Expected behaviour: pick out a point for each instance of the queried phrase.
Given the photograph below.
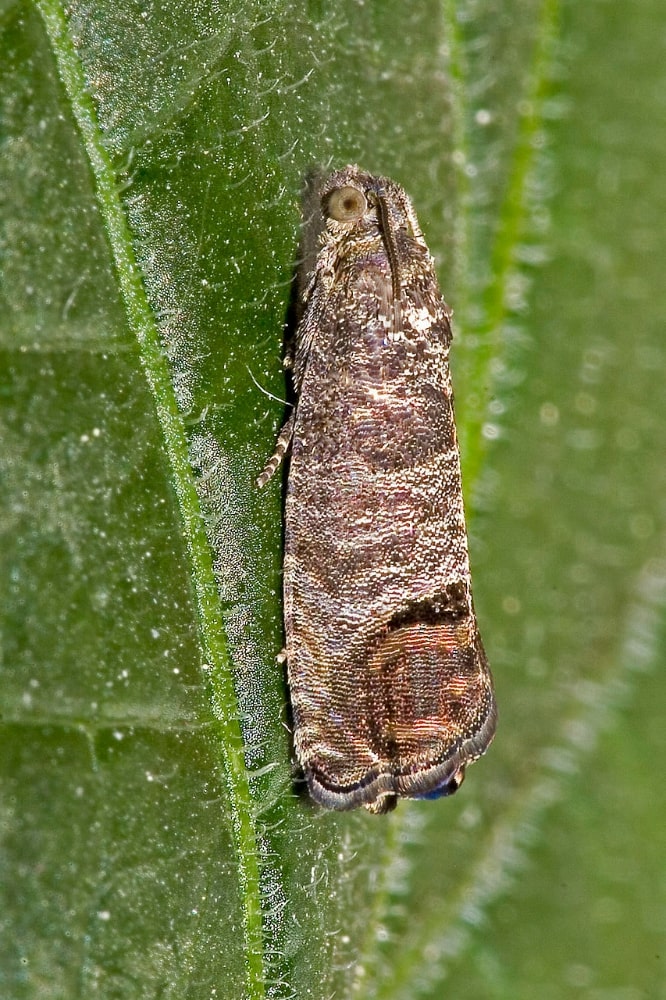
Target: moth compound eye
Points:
(347, 204)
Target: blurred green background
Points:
(151, 158)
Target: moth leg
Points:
(385, 803)
(283, 442)
(289, 356)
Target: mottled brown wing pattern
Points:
(390, 687)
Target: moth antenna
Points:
(394, 262)
(281, 448)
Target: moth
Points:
(390, 687)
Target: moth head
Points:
(346, 204)
(353, 200)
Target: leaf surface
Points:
(150, 165)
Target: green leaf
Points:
(151, 159)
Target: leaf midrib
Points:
(141, 321)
